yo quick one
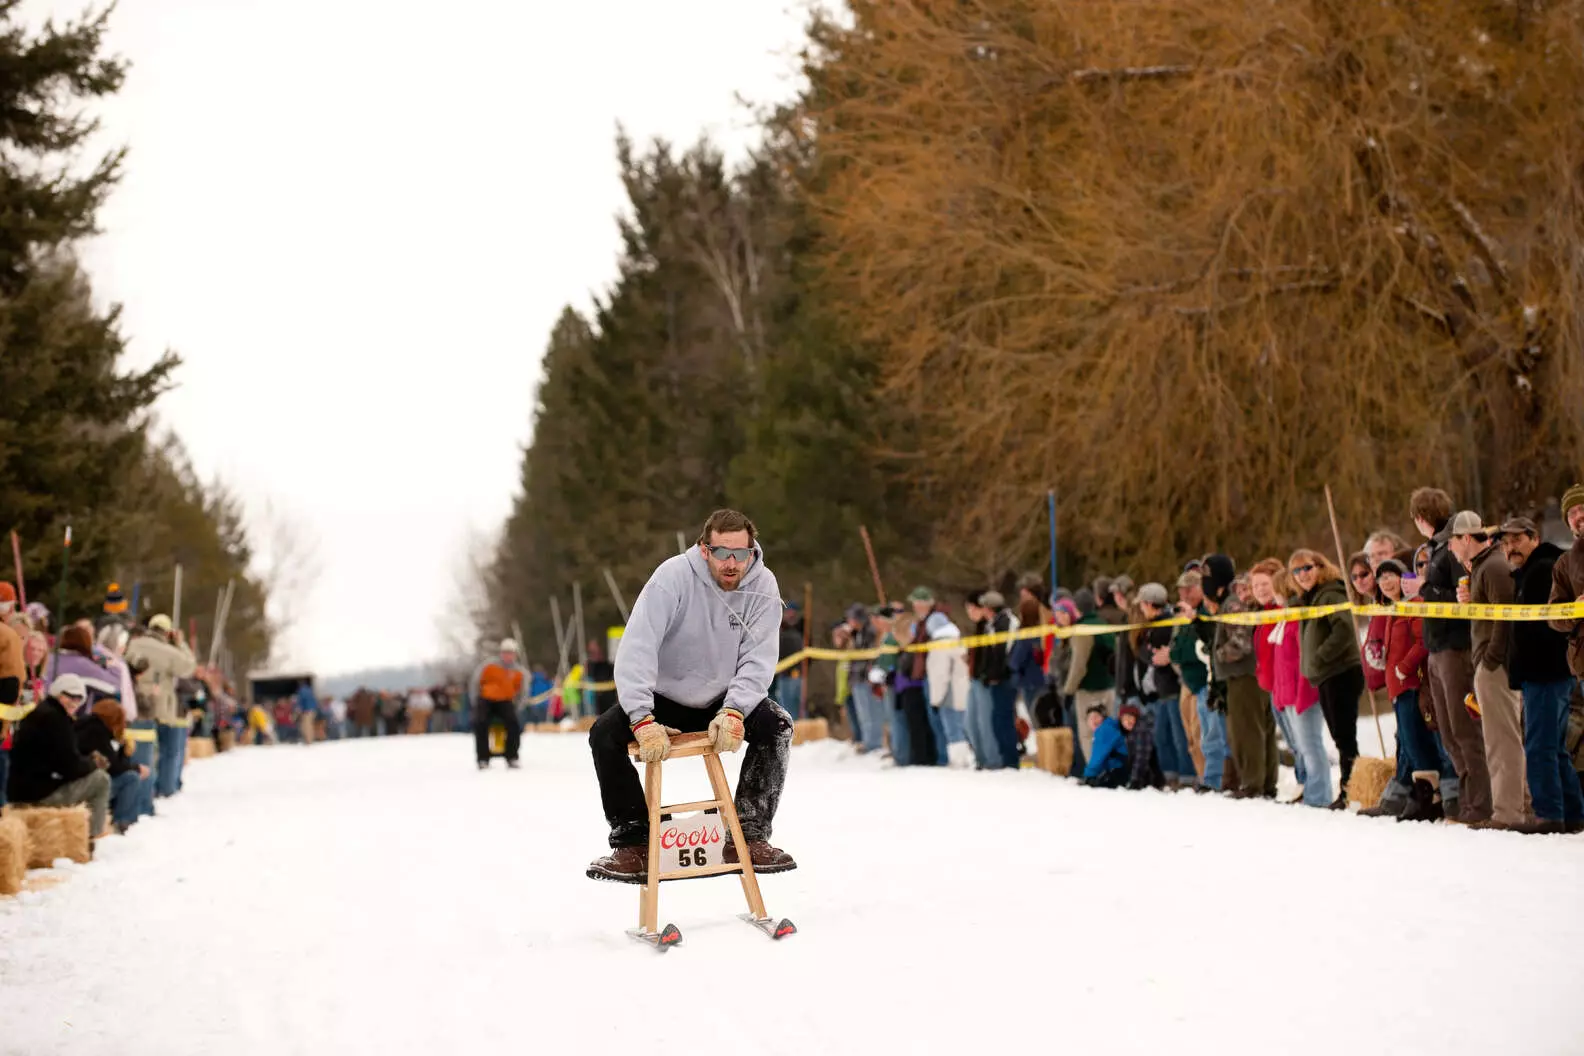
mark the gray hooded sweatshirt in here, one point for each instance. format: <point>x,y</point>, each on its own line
<point>689,641</point>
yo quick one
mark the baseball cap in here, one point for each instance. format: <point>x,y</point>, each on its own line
<point>1467,522</point>
<point>858,611</point>
<point>1190,579</point>
<point>921,594</point>
<point>508,645</point>
<point>68,686</point>
<point>1153,593</point>
<point>992,599</point>
<point>1519,526</point>
<point>160,623</point>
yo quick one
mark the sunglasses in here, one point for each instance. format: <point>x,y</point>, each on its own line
<point>1300,569</point>
<point>726,553</point>
<point>1361,575</point>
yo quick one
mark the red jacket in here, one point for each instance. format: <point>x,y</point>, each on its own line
<point>1405,652</point>
<point>1265,655</point>
<point>1290,688</point>
<point>1374,653</point>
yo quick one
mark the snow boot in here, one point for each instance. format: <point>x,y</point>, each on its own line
<point>1424,800</point>
<point>512,764</point>
<point>624,865</point>
<point>766,859</point>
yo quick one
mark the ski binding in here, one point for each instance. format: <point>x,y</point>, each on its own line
<point>776,929</point>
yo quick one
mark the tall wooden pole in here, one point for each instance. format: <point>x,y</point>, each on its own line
<point>808,626</point>
<point>874,569</point>
<point>1352,596</point>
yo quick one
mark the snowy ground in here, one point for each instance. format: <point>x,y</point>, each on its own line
<point>384,897</point>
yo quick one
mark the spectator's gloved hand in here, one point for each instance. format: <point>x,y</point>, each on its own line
<point>654,740</point>
<point>726,730</point>
<point>1471,705</point>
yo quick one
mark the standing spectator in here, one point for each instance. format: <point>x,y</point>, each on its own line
<point>912,697</point>
<point>1537,665</point>
<point>539,689</point>
<point>1384,544</point>
<point>992,709</point>
<point>165,660</point>
<point>338,718</point>
<point>309,715</point>
<point>601,672</point>
<point>1361,571</point>
<point>947,670</point>
<point>866,698</point>
<point>420,708</point>
<point>1422,764</point>
<point>1161,688</point>
<point>47,769</point>
<point>1190,652</point>
<point>787,688</point>
<point>1330,656</point>
<point>1091,678</point>
<point>1251,728</point>
<point>882,677</point>
<point>1490,582</point>
<point>1027,657</point>
<point>103,730</point>
<point>1267,581</point>
<point>13,670</point>
<point>1451,666</point>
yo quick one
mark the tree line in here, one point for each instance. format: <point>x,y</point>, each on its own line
<point>77,444</point>
<point>1182,263</point>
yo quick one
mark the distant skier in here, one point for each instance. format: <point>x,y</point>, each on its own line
<point>698,654</point>
<point>496,690</point>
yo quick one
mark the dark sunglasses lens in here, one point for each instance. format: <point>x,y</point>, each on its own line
<point>723,552</point>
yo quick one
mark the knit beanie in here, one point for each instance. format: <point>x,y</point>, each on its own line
<point>115,602</point>
<point>1572,497</point>
<point>1084,599</point>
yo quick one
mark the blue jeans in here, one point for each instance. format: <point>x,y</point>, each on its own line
<point>144,753</point>
<point>125,793</point>
<point>954,724</point>
<point>1171,742</point>
<point>981,727</point>
<point>1003,722</point>
<point>788,692</point>
<point>1284,723</point>
<point>872,715</point>
<point>1309,745</point>
<point>1212,739</point>
<point>1553,783</point>
<point>172,750</point>
<point>853,722</point>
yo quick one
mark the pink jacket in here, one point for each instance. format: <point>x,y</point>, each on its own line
<point>1289,689</point>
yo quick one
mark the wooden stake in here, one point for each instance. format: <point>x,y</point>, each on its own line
<point>1342,565</point>
<point>610,581</point>
<point>16,554</point>
<point>874,569</point>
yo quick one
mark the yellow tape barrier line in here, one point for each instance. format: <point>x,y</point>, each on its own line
<point>1571,610</point>
<point>14,712</point>
<point>138,736</point>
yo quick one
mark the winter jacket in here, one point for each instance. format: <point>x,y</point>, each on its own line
<point>1026,659</point>
<point>1234,644</point>
<point>44,754</point>
<point>1192,639</point>
<point>947,669</point>
<point>101,682</point>
<point>1157,682</point>
<point>1536,652</point>
<point>1329,644</point>
<point>1440,584</point>
<point>1289,688</point>
<point>1265,657</point>
<point>166,664</point>
<point>94,736</point>
<point>694,643</point>
<point>1143,768</point>
<point>496,681</point>
<point>1567,584</point>
<point>1091,669</point>
<point>12,668</point>
<point>862,639</point>
<point>1405,652</point>
<point>1375,653</point>
<point>1128,671</point>
<point>1490,583</point>
<point>988,663</point>
<point>1110,751</point>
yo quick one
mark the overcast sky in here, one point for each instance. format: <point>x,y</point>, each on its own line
<point>356,222</point>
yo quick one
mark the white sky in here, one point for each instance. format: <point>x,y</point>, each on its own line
<point>357,221</point>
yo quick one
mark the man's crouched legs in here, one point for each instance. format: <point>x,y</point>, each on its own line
<point>767,731</point>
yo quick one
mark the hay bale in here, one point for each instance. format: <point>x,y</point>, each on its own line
<point>200,747</point>
<point>1369,779</point>
<point>225,740</point>
<point>55,832</point>
<point>809,730</point>
<point>13,853</point>
<point>1053,750</point>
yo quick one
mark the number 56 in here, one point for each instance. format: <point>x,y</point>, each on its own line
<point>690,857</point>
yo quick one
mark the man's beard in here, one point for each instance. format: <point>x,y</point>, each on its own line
<point>724,583</point>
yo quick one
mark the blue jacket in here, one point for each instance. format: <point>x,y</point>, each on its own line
<point>1110,750</point>
<point>1024,659</point>
<point>539,685</point>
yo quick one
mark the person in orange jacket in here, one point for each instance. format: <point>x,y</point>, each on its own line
<point>496,691</point>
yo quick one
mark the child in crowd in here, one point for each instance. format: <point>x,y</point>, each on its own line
<point>1108,762</point>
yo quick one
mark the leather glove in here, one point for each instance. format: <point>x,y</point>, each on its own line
<point>654,740</point>
<point>726,730</point>
<point>1471,705</point>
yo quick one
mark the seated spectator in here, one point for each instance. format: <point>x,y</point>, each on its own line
<point>47,769</point>
<point>76,657</point>
<point>1108,761</point>
<point>103,731</point>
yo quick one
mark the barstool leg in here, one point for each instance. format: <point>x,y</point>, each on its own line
<point>750,882</point>
<point>649,897</point>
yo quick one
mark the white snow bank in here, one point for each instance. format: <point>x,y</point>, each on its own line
<point>384,897</point>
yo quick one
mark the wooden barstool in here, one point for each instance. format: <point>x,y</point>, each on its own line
<point>684,745</point>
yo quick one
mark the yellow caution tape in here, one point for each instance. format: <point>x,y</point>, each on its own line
<point>142,736</point>
<point>14,712</point>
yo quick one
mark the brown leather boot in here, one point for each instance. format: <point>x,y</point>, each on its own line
<point>765,858</point>
<point>624,865</point>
